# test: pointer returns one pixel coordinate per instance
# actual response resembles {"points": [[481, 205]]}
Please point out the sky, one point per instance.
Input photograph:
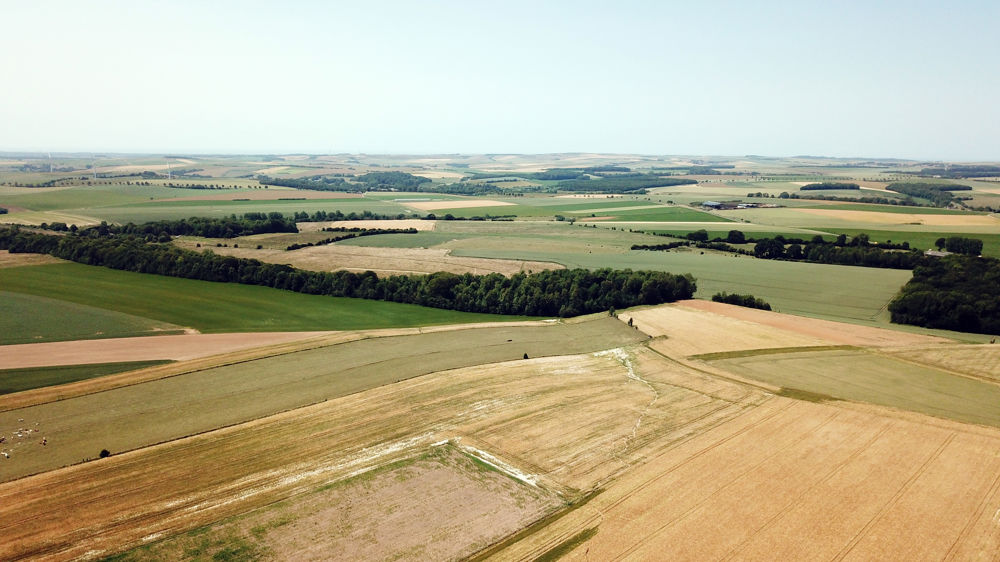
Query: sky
{"points": [[876, 79]]}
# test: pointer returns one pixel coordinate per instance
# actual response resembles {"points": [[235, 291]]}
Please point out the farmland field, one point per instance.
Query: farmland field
{"points": [[310, 427], [217, 307], [26, 318]]}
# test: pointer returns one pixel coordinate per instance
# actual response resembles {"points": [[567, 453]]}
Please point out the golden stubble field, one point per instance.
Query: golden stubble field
{"points": [[645, 450], [383, 261]]}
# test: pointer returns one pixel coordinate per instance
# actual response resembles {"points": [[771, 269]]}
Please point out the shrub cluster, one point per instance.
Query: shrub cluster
{"points": [[748, 301]]}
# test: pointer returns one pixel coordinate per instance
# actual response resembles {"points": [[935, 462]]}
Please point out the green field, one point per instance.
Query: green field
{"points": [[925, 240], [851, 294], [216, 307], [16, 380], [877, 379], [28, 318]]}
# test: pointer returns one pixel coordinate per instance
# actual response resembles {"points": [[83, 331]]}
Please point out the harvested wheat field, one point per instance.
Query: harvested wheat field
{"points": [[386, 261], [684, 330], [793, 480], [8, 259], [832, 332], [981, 361], [877, 217], [562, 424], [417, 224]]}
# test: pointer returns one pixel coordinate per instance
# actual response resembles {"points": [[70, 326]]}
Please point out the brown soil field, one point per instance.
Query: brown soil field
{"points": [[386, 261], [899, 218], [8, 259], [268, 195], [455, 204], [793, 480], [419, 224], [146, 348], [566, 423], [832, 332], [195, 401]]}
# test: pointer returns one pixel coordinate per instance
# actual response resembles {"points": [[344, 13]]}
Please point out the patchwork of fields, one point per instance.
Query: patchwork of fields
{"points": [[146, 417]]}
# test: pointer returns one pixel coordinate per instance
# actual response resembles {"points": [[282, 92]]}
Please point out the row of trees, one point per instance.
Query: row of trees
{"points": [[349, 234], [565, 292], [826, 185], [954, 293], [224, 227]]}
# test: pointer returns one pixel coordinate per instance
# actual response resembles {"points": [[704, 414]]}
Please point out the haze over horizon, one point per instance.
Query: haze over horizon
{"points": [[913, 80]]}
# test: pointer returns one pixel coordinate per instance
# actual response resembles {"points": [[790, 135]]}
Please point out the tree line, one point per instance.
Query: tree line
{"points": [[349, 234], [562, 292], [954, 293], [829, 185]]}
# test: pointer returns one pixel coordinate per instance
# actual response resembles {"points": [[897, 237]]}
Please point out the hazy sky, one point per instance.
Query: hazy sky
{"points": [[878, 79]]}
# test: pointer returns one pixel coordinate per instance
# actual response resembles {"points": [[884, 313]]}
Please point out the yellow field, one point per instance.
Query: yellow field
{"points": [[383, 261], [876, 217], [656, 447]]}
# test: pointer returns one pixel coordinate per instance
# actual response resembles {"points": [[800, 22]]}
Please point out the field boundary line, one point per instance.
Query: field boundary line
{"points": [[860, 535], [893, 355], [772, 351]]}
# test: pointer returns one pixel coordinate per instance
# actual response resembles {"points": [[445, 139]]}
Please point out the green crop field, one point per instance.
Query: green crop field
{"points": [[207, 399], [217, 307], [924, 240], [16, 380], [867, 377], [27, 318], [851, 294]]}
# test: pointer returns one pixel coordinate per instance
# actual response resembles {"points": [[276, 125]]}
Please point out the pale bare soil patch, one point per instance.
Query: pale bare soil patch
{"points": [[8, 259], [833, 332], [418, 224], [560, 423], [901, 218], [271, 194], [455, 204], [441, 505], [386, 261], [793, 480], [146, 348]]}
